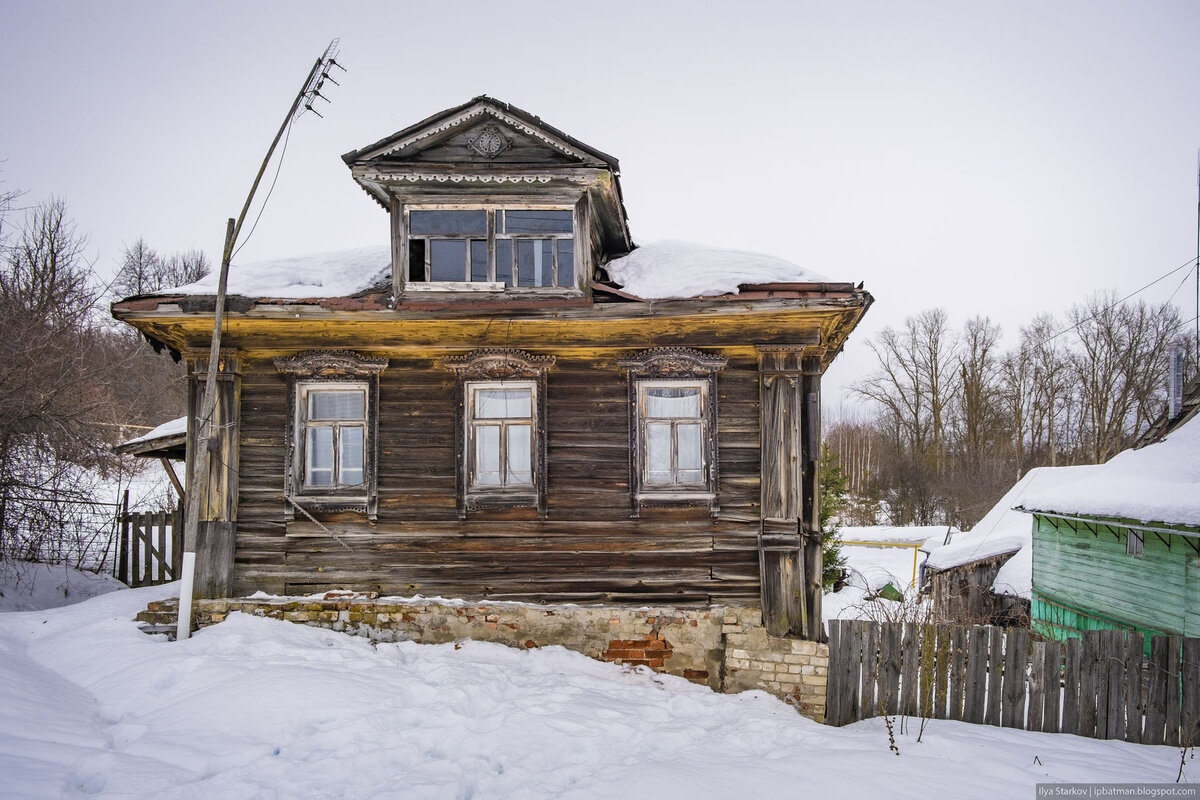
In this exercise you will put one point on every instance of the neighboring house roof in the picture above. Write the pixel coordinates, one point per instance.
(1159, 483)
(1162, 426)
(1005, 531)
(168, 440)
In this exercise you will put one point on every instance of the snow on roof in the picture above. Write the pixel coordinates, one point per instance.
(167, 429)
(672, 268)
(1158, 483)
(1004, 530)
(336, 274)
(909, 535)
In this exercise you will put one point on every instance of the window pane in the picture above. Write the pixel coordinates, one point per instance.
(504, 261)
(525, 256)
(416, 259)
(350, 466)
(689, 453)
(479, 259)
(658, 452)
(566, 262)
(319, 457)
(333, 405)
(487, 455)
(503, 403)
(451, 222)
(448, 260)
(537, 221)
(672, 401)
(520, 461)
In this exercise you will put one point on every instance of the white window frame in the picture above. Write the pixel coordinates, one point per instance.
(473, 424)
(493, 234)
(304, 424)
(675, 486)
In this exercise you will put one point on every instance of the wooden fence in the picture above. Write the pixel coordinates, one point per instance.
(1100, 685)
(149, 547)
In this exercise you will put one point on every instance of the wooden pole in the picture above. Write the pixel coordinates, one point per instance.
(200, 456)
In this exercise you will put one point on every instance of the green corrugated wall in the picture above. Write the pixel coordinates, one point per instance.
(1086, 581)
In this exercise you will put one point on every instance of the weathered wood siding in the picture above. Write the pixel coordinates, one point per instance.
(587, 547)
(1085, 580)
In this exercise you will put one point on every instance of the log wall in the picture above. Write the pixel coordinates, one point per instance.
(586, 549)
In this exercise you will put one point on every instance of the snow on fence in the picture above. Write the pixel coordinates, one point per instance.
(1100, 685)
(149, 547)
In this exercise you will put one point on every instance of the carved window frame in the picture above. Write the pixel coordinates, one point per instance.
(663, 366)
(314, 370)
(497, 368)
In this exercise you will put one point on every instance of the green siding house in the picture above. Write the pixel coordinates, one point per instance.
(1120, 546)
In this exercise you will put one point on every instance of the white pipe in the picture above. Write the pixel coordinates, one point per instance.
(183, 628)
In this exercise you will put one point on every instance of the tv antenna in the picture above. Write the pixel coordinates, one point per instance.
(199, 458)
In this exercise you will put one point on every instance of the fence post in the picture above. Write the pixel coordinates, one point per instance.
(123, 545)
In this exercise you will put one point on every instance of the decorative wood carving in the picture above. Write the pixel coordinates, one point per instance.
(673, 362)
(498, 364)
(477, 111)
(331, 364)
(489, 142)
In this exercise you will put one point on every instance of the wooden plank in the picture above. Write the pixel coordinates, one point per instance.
(161, 566)
(1174, 698)
(1189, 734)
(135, 551)
(1012, 709)
(927, 669)
(977, 662)
(909, 669)
(854, 653)
(834, 693)
(1114, 669)
(870, 671)
(177, 540)
(1134, 709)
(1037, 687)
(1070, 707)
(123, 546)
(958, 672)
(1089, 684)
(994, 676)
(889, 669)
(942, 677)
(1155, 700)
(1052, 687)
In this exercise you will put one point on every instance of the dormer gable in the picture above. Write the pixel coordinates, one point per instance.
(486, 197)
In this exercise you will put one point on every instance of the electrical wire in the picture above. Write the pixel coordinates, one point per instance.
(287, 135)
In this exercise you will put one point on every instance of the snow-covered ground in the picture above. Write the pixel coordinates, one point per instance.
(255, 708)
(893, 556)
(25, 586)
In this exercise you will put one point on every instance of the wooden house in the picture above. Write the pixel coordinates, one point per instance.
(1119, 547)
(496, 417)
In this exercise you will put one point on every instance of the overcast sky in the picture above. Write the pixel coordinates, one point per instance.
(995, 159)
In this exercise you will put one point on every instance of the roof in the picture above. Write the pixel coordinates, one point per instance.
(168, 440)
(1162, 426)
(1159, 483)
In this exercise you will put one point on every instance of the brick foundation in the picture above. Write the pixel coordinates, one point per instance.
(726, 649)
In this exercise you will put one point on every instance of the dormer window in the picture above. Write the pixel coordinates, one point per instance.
(490, 247)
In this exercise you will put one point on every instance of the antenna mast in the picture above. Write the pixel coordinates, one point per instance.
(198, 466)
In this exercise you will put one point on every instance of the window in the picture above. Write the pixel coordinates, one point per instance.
(491, 248)
(1135, 543)
(672, 428)
(502, 433)
(500, 425)
(672, 434)
(332, 421)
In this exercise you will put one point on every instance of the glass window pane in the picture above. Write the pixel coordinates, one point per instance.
(520, 457)
(672, 401)
(487, 455)
(658, 452)
(537, 221)
(448, 260)
(416, 259)
(544, 262)
(525, 256)
(566, 262)
(318, 449)
(504, 261)
(479, 259)
(350, 465)
(448, 222)
(689, 453)
(504, 403)
(337, 404)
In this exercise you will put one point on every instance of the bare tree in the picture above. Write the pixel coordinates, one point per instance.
(144, 271)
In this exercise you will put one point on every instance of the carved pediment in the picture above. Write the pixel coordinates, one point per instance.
(331, 363)
(489, 364)
(673, 362)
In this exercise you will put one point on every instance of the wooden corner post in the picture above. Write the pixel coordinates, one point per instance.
(789, 533)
